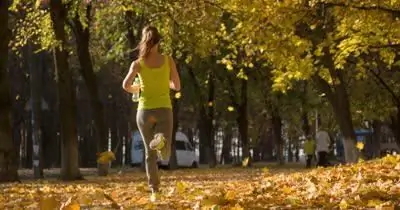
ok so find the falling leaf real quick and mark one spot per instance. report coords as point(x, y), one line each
point(245, 162)
point(178, 95)
point(105, 157)
point(360, 145)
point(230, 108)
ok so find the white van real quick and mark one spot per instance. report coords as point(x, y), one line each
point(185, 152)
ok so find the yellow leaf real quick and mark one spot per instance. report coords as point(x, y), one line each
point(215, 207)
point(374, 203)
point(245, 162)
point(389, 207)
point(180, 187)
point(74, 205)
point(229, 67)
point(360, 145)
point(230, 108)
point(286, 190)
point(343, 204)
point(230, 195)
point(397, 166)
point(178, 95)
point(48, 203)
point(105, 157)
point(211, 200)
point(237, 207)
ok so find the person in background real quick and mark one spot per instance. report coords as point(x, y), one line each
point(157, 75)
point(322, 146)
point(309, 150)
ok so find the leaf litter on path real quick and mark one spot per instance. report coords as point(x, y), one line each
point(366, 185)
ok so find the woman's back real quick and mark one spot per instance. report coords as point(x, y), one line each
point(154, 78)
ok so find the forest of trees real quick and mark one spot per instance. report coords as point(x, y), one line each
point(264, 71)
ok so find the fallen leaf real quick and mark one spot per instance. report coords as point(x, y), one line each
point(48, 203)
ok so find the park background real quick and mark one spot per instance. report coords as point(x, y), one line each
point(257, 76)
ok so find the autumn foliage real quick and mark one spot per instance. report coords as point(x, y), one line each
point(372, 184)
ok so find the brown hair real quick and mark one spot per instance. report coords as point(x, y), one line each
point(150, 37)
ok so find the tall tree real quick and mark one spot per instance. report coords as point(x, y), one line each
point(8, 152)
point(66, 95)
point(82, 38)
point(35, 64)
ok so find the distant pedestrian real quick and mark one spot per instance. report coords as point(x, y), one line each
point(322, 146)
point(309, 150)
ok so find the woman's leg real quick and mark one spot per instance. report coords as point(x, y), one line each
point(164, 128)
point(146, 128)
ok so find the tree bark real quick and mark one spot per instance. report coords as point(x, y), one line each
point(341, 107)
point(66, 96)
point(212, 159)
point(8, 152)
point(277, 135)
point(395, 125)
point(290, 150)
point(173, 162)
point(202, 121)
point(82, 36)
point(226, 156)
point(35, 69)
point(340, 103)
point(243, 122)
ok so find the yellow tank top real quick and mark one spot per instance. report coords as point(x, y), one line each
point(154, 86)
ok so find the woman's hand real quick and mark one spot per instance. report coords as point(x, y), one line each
point(135, 88)
point(127, 83)
point(175, 82)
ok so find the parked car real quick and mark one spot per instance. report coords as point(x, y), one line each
point(185, 152)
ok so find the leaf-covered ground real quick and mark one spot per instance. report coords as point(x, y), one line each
point(368, 185)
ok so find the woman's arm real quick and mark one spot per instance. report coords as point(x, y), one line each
point(175, 82)
point(127, 83)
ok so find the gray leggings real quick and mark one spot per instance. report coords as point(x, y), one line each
point(151, 122)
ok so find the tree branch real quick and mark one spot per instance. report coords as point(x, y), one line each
point(394, 12)
point(232, 92)
point(379, 80)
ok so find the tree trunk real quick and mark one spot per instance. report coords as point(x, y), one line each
point(226, 156)
point(203, 137)
point(242, 121)
point(66, 96)
point(340, 103)
point(277, 135)
point(297, 153)
point(82, 42)
point(190, 135)
point(395, 125)
point(290, 151)
point(202, 121)
point(28, 144)
point(212, 159)
point(35, 69)
point(306, 124)
point(173, 162)
point(8, 152)
point(341, 107)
